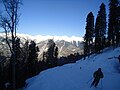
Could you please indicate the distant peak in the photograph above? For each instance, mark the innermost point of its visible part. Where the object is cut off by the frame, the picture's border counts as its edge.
(39, 38)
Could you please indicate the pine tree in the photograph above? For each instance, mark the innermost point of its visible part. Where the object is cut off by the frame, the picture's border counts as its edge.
(32, 59)
(97, 34)
(17, 48)
(20, 64)
(112, 25)
(100, 29)
(25, 56)
(25, 51)
(56, 55)
(88, 38)
(51, 54)
(118, 26)
(44, 56)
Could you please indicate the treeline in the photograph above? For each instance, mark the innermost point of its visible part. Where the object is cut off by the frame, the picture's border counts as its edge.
(27, 63)
(97, 37)
(72, 58)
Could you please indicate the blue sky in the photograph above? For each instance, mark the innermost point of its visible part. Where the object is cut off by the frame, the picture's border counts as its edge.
(56, 17)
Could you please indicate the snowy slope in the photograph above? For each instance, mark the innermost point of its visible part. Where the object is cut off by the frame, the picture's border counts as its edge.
(71, 77)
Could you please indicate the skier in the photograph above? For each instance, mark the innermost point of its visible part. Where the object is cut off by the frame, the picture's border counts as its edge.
(97, 75)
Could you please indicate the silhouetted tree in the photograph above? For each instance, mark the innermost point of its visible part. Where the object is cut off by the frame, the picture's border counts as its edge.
(118, 25)
(3, 72)
(51, 54)
(20, 78)
(88, 38)
(56, 55)
(44, 56)
(32, 58)
(25, 51)
(17, 48)
(8, 21)
(100, 29)
(113, 22)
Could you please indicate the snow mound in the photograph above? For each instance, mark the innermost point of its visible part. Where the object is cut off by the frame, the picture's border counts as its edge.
(77, 76)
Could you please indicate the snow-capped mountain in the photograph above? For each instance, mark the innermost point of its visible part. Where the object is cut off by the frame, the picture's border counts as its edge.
(66, 45)
(65, 48)
(39, 38)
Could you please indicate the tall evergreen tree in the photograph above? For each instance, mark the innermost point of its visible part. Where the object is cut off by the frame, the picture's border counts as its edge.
(17, 48)
(88, 38)
(100, 29)
(56, 55)
(32, 58)
(112, 25)
(25, 51)
(118, 26)
(97, 34)
(51, 54)
(20, 67)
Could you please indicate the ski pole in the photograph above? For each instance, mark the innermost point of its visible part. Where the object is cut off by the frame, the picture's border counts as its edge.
(89, 80)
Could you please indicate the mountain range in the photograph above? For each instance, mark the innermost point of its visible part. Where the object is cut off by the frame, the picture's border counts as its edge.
(66, 45)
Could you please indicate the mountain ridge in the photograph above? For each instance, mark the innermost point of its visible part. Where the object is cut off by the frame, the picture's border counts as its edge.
(39, 38)
(67, 45)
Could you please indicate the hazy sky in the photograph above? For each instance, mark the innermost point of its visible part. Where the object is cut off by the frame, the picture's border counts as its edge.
(57, 17)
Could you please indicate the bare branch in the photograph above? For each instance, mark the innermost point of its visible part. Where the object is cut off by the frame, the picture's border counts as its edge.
(6, 8)
(6, 36)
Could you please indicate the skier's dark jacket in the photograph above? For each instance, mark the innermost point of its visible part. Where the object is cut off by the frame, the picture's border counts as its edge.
(98, 74)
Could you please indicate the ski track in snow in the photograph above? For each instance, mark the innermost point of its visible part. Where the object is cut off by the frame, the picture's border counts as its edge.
(71, 77)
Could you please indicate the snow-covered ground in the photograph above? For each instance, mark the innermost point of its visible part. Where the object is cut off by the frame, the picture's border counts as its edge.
(76, 76)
